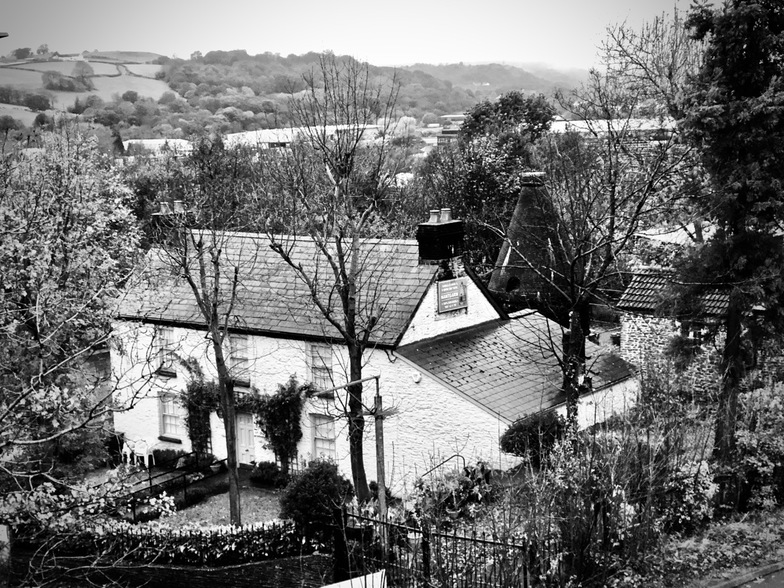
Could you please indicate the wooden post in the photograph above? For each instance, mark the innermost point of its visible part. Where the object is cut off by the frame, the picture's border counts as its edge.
(340, 563)
(380, 474)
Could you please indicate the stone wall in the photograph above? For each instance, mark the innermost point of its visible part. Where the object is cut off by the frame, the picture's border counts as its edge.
(644, 341)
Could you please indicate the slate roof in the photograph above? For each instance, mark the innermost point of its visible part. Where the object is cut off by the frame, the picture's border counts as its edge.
(272, 300)
(645, 293)
(509, 367)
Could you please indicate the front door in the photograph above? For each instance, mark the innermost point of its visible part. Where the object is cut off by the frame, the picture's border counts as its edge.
(245, 451)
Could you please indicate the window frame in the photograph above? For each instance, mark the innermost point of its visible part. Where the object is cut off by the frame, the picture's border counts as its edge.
(321, 366)
(164, 354)
(171, 429)
(318, 422)
(239, 363)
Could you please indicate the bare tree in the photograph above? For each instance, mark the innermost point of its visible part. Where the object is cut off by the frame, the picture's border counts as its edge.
(615, 172)
(208, 192)
(332, 183)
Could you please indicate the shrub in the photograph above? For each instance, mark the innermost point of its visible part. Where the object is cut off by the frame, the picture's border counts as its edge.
(267, 473)
(195, 495)
(454, 494)
(167, 457)
(760, 442)
(534, 437)
(311, 497)
(689, 497)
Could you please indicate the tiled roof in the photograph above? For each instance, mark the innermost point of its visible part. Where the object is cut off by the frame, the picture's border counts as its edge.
(510, 367)
(272, 299)
(646, 291)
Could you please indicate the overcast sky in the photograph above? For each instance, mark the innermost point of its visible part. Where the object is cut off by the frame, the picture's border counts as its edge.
(396, 32)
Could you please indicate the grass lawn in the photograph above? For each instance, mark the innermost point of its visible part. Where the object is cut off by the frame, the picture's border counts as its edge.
(257, 505)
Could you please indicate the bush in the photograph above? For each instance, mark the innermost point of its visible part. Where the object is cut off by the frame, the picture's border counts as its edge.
(167, 457)
(195, 495)
(311, 497)
(760, 439)
(534, 437)
(267, 473)
(454, 494)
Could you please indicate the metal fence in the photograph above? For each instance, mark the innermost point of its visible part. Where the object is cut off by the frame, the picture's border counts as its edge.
(422, 557)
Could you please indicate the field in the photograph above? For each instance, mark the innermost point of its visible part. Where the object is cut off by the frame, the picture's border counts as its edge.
(19, 113)
(67, 67)
(124, 56)
(24, 80)
(148, 70)
(106, 87)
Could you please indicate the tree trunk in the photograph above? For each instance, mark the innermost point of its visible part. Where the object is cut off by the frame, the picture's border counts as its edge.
(226, 387)
(574, 361)
(732, 373)
(356, 426)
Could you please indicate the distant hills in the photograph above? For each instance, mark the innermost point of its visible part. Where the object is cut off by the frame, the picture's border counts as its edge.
(145, 95)
(501, 78)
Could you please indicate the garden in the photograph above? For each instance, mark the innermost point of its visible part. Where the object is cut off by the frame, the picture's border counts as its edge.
(633, 501)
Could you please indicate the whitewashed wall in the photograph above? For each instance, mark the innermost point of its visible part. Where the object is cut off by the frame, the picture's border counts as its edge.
(430, 422)
(600, 405)
(427, 322)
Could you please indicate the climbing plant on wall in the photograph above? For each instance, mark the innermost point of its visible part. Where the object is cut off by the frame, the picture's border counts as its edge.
(279, 416)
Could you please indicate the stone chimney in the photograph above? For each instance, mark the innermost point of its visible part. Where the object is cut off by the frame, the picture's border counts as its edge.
(440, 238)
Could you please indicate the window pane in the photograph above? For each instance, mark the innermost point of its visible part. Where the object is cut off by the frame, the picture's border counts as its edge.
(164, 348)
(323, 436)
(170, 417)
(239, 357)
(321, 366)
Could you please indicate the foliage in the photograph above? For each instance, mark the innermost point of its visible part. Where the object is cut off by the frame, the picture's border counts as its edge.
(68, 244)
(604, 500)
(33, 100)
(453, 495)
(157, 543)
(267, 473)
(760, 442)
(167, 457)
(479, 177)
(22, 53)
(279, 416)
(58, 82)
(534, 436)
(312, 496)
(682, 350)
(733, 115)
(201, 398)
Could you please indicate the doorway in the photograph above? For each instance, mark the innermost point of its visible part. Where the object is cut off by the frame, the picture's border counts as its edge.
(245, 440)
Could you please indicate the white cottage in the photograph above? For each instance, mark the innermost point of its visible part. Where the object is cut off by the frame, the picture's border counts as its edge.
(455, 369)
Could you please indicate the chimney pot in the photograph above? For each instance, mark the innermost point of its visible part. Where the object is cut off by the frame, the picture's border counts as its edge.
(446, 215)
(178, 206)
(165, 208)
(433, 216)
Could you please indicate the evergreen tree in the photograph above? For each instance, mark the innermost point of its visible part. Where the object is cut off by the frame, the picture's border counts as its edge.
(734, 115)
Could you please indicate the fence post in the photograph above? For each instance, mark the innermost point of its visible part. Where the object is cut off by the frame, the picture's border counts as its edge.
(340, 571)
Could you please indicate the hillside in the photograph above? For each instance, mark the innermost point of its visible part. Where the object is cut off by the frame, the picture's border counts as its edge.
(142, 94)
(493, 77)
